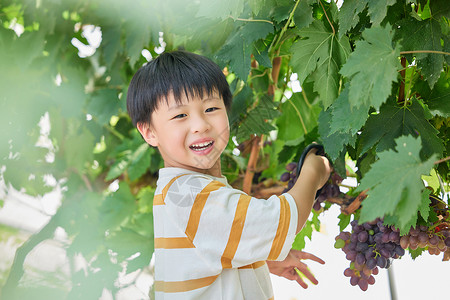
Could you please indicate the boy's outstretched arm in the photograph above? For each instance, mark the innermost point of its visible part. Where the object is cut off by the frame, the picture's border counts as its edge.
(314, 174)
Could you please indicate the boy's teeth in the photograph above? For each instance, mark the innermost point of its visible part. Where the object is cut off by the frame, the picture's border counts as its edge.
(201, 145)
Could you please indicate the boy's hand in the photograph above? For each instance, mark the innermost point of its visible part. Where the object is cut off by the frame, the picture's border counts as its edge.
(316, 168)
(287, 268)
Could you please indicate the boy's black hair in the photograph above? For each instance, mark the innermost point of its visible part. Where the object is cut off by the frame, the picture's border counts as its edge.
(177, 72)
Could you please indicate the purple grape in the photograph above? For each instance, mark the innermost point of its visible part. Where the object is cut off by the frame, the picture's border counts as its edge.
(285, 177)
(399, 250)
(363, 284)
(360, 259)
(351, 255)
(434, 240)
(381, 261)
(447, 242)
(349, 272)
(371, 263)
(361, 247)
(394, 236)
(363, 236)
(291, 166)
(290, 184)
(354, 280)
(385, 253)
(317, 206)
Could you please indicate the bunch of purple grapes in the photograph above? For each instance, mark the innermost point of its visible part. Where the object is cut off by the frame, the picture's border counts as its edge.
(422, 236)
(368, 247)
(330, 189)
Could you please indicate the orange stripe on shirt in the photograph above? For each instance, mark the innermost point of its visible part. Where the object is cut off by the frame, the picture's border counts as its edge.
(159, 198)
(184, 286)
(282, 230)
(255, 265)
(173, 243)
(236, 231)
(197, 208)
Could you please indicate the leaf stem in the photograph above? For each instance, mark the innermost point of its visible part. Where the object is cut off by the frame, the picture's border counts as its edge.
(250, 20)
(114, 132)
(326, 15)
(306, 98)
(291, 15)
(401, 92)
(299, 116)
(424, 51)
(442, 160)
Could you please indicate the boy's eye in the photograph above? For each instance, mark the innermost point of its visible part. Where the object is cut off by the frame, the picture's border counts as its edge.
(179, 116)
(212, 109)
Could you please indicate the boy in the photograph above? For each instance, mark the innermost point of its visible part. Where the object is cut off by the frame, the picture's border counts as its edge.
(211, 240)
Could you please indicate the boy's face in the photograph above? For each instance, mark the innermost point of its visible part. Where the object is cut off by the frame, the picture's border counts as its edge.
(191, 135)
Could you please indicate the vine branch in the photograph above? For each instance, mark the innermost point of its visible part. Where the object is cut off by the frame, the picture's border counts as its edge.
(251, 165)
(424, 51)
(326, 15)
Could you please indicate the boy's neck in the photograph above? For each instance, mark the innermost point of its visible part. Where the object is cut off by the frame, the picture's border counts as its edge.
(215, 170)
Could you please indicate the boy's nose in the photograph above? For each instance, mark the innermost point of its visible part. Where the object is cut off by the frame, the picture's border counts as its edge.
(200, 124)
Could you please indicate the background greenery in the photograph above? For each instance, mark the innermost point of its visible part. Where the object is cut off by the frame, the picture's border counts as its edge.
(374, 80)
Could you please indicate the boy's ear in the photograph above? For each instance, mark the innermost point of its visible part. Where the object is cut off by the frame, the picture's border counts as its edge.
(148, 134)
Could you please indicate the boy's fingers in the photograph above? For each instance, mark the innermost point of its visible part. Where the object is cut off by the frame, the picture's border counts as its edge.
(302, 268)
(306, 255)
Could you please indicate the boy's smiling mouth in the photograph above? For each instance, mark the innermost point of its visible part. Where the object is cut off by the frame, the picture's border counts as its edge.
(200, 147)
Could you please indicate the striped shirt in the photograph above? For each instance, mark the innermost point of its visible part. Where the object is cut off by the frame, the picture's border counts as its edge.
(212, 241)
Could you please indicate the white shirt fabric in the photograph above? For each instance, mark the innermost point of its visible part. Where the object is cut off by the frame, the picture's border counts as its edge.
(212, 241)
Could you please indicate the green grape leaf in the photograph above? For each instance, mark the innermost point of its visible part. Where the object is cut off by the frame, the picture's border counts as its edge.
(424, 208)
(423, 35)
(440, 8)
(127, 242)
(378, 10)
(415, 253)
(145, 199)
(220, 9)
(28, 47)
(307, 230)
(320, 51)
(446, 48)
(257, 120)
(140, 161)
(303, 15)
(372, 85)
(132, 155)
(281, 10)
(78, 149)
(344, 220)
(348, 14)
(346, 118)
(238, 49)
(117, 207)
(104, 104)
(297, 118)
(394, 182)
(138, 37)
(438, 98)
(70, 96)
(111, 43)
(394, 121)
(334, 143)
